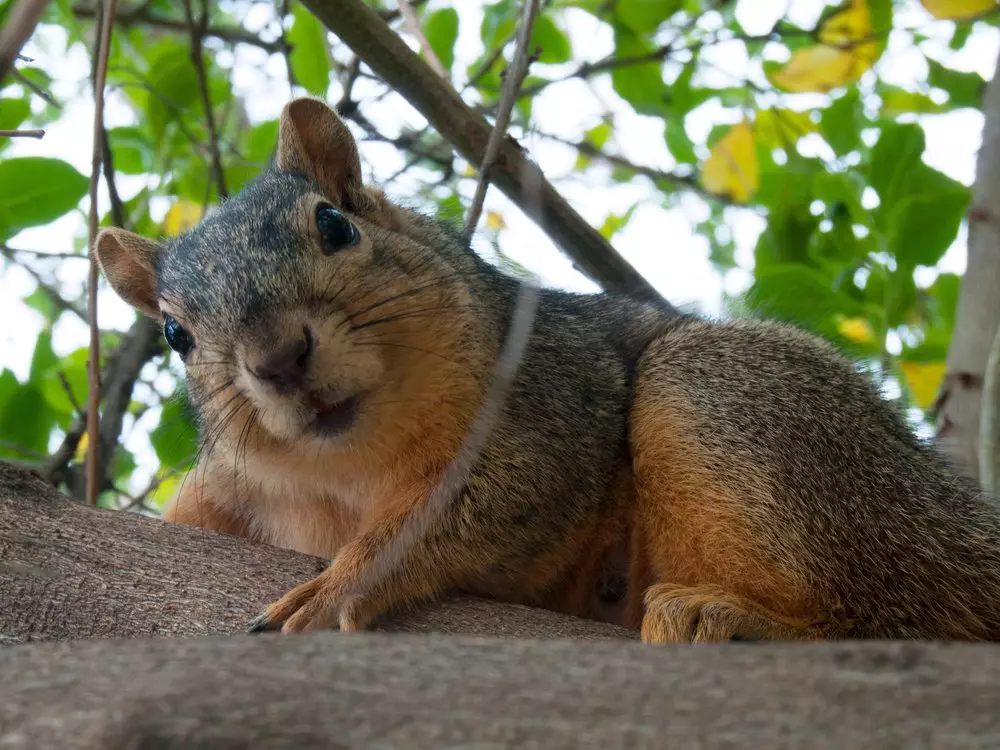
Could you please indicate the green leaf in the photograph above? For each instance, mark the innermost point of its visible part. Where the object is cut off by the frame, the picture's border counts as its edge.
(25, 419)
(173, 79)
(498, 23)
(13, 111)
(74, 368)
(174, 439)
(920, 208)
(641, 85)
(679, 142)
(644, 16)
(554, 44)
(131, 150)
(260, 141)
(42, 358)
(804, 296)
(841, 122)
(441, 30)
(41, 301)
(963, 89)
(35, 190)
(308, 57)
(897, 101)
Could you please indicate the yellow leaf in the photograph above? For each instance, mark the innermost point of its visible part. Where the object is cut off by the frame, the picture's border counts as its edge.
(494, 221)
(924, 381)
(184, 214)
(847, 49)
(469, 171)
(780, 128)
(957, 10)
(731, 169)
(857, 330)
(81, 450)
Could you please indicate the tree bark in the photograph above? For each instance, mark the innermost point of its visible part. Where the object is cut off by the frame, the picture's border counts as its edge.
(978, 313)
(80, 572)
(104, 582)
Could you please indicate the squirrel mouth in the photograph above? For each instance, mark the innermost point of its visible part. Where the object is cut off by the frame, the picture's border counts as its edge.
(333, 418)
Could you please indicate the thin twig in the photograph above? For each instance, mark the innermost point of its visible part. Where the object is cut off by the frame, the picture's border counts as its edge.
(346, 106)
(144, 16)
(51, 292)
(197, 31)
(69, 393)
(37, 133)
(117, 206)
(513, 79)
(413, 26)
(94, 361)
(21, 78)
(21, 23)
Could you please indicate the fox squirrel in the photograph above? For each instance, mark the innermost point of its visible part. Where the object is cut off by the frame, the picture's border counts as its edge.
(699, 481)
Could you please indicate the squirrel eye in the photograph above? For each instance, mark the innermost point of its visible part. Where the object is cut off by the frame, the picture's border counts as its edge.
(337, 231)
(177, 338)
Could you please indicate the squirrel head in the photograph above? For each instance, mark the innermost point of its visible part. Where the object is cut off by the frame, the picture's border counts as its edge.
(308, 309)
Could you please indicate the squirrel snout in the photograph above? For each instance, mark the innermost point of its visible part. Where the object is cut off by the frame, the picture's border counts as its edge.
(285, 368)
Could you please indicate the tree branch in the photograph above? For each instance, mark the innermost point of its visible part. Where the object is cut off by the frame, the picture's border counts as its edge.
(58, 300)
(38, 133)
(513, 79)
(141, 343)
(197, 30)
(368, 36)
(144, 16)
(21, 23)
(413, 26)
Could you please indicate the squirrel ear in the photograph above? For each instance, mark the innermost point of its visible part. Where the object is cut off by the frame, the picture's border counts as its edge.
(129, 263)
(313, 139)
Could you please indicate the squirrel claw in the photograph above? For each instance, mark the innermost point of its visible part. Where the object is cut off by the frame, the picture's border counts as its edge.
(261, 623)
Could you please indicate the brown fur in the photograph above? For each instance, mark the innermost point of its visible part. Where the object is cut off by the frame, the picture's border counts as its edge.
(701, 481)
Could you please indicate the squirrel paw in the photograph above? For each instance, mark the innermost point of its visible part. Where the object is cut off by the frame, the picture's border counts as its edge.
(707, 614)
(315, 605)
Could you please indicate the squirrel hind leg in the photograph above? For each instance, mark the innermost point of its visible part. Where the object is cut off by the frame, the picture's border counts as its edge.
(710, 614)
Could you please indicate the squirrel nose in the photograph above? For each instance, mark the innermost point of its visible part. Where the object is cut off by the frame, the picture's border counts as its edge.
(285, 369)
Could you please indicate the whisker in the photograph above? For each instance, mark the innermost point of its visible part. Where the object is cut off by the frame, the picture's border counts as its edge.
(412, 314)
(410, 348)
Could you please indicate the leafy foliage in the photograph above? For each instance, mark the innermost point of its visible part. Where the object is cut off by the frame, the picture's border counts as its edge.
(809, 133)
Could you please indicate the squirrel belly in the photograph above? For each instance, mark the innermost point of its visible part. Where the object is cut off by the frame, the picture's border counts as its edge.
(699, 481)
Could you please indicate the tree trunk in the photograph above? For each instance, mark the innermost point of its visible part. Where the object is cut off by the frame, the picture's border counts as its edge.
(978, 314)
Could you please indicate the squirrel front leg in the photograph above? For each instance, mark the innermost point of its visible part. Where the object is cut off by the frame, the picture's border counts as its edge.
(355, 590)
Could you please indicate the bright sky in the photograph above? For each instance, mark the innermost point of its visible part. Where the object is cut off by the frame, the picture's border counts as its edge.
(658, 242)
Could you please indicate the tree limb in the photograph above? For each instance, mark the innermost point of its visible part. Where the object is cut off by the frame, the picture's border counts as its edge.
(513, 79)
(94, 360)
(368, 36)
(94, 579)
(121, 575)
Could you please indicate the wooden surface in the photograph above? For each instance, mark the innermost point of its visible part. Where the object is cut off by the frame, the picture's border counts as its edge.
(112, 580)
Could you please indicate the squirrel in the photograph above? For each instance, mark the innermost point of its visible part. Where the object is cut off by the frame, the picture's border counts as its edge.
(691, 479)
